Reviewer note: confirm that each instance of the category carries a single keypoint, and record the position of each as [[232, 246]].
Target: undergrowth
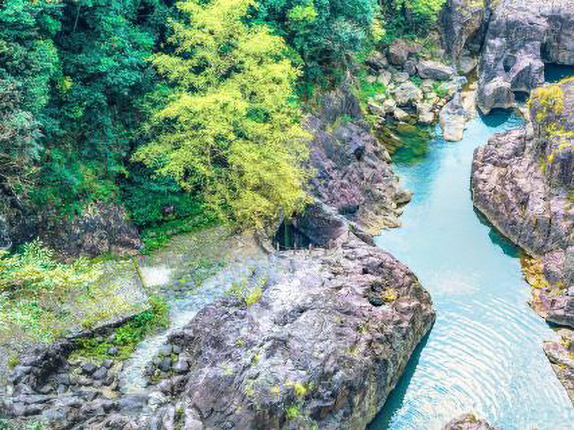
[[126, 337]]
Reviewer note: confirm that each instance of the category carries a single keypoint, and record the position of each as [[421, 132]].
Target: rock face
[[99, 229], [522, 36], [323, 346], [463, 25], [453, 117], [469, 422], [522, 182], [353, 174], [434, 70], [561, 356]]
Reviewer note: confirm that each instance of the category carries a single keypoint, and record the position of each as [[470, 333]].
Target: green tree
[[325, 33], [104, 48], [29, 64], [231, 129]]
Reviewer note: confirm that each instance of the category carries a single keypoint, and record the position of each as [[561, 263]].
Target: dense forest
[[195, 105]]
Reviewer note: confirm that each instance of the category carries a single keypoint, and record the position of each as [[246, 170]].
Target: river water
[[484, 353]]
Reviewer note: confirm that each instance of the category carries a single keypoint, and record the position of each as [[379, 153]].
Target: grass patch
[[126, 336]]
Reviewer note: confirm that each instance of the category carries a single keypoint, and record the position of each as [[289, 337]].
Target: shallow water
[[185, 306], [484, 353]]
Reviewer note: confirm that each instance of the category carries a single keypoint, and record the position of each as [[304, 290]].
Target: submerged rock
[[469, 422]]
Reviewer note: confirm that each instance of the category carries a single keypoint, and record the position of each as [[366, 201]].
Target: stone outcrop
[[522, 36], [101, 228], [323, 344], [561, 356], [453, 118], [522, 182], [469, 422], [353, 174], [463, 24]]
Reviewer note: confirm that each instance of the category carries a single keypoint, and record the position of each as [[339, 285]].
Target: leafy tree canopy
[[231, 128]]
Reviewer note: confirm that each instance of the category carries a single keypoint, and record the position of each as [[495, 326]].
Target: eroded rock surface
[[353, 173], [522, 36], [323, 344]]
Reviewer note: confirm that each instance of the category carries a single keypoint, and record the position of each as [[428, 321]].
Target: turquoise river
[[484, 353]]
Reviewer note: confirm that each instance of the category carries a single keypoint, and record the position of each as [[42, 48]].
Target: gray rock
[[453, 119], [353, 174], [561, 356], [89, 368], [302, 333], [101, 373], [377, 61], [165, 365], [112, 350], [522, 35], [434, 70], [469, 422], [463, 24], [399, 52], [466, 65], [407, 93], [181, 366]]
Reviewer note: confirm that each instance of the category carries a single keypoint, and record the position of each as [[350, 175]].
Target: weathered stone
[[519, 180], [407, 93], [377, 61], [434, 70], [469, 422], [312, 315], [522, 35], [561, 356], [453, 119], [463, 24], [400, 114]]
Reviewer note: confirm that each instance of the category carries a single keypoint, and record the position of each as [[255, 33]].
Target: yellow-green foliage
[[35, 270], [550, 101], [231, 130], [42, 298]]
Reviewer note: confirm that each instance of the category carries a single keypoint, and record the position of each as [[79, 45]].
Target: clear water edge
[[484, 354]]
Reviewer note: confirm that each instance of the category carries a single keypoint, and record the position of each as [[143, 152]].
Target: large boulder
[[463, 24], [522, 36], [322, 348], [400, 50], [101, 228], [407, 93], [453, 117], [435, 70]]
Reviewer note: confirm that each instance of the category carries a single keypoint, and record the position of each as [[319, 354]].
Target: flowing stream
[[484, 353]]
